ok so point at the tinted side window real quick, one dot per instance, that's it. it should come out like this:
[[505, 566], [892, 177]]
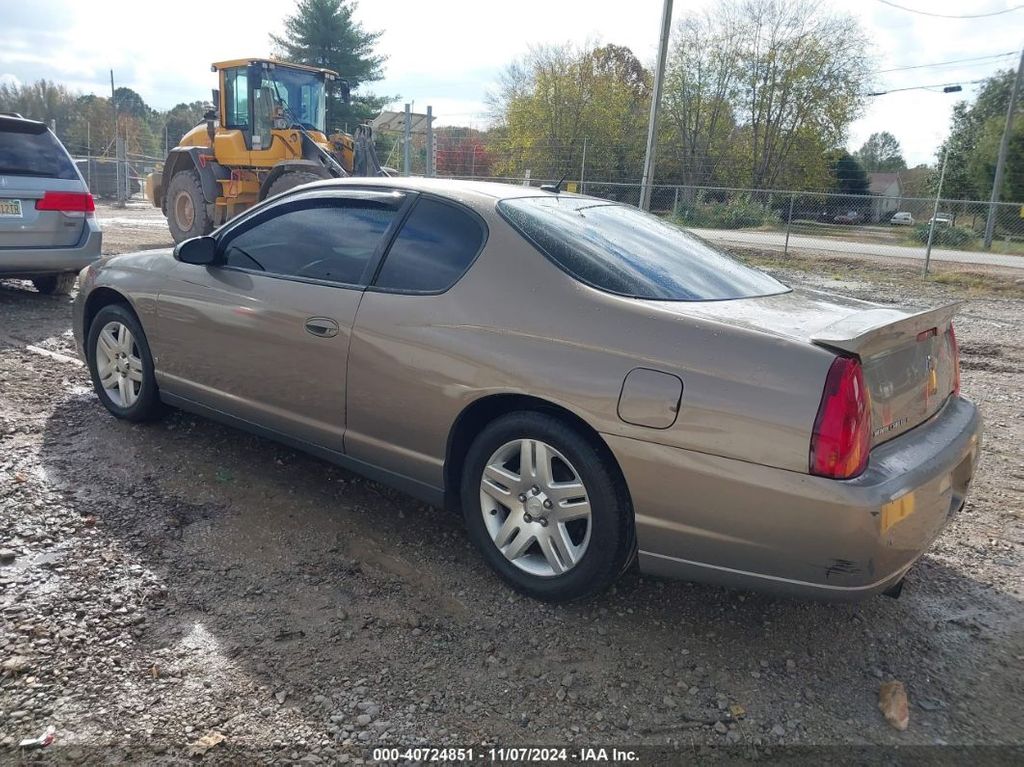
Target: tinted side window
[[622, 250], [27, 153], [325, 240], [434, 248]]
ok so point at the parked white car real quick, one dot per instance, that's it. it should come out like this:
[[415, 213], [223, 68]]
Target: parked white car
[[903, 218]]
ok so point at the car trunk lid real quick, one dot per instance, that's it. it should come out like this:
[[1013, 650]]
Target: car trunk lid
[[907, 361], [909, 367]]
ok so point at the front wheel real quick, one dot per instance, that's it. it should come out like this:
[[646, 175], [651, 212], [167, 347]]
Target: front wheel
[[547, 507], [188, 215], [121, 365]]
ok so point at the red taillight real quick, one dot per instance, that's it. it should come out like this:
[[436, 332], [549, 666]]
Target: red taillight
[[67, 202], [842, 431], [954, 353]]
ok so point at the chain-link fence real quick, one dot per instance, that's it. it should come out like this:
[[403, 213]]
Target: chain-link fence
[[103, 175], [824, 222]]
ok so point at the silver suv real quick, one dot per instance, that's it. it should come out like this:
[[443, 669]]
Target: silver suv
[[48, 228]]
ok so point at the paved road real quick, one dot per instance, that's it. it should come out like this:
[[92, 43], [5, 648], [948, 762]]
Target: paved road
[[777, 240]]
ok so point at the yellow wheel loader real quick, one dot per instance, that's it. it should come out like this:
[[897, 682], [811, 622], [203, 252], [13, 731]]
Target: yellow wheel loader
[[266, 134]]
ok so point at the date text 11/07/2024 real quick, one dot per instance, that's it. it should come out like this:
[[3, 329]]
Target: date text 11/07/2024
[[500, 754]]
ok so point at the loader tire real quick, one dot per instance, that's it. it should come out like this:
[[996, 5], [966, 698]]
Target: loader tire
[[188, 214], [290, 180]]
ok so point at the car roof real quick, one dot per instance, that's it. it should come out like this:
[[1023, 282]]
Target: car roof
[[482, 193], [9, 121]]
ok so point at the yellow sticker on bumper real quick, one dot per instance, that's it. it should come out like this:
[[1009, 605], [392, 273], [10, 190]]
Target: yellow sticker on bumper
[[894, 511]]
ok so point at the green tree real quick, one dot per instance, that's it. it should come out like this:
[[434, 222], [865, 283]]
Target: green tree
[[322, 33], [128, 102], [803, 69], [698, 141], [91, 128], [556, 98], [757, 90], [973, 144], [848, 177], [881, 153], [42, 100], [180, 119]]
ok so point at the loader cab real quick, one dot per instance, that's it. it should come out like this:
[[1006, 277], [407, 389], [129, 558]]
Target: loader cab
[[258, 97]]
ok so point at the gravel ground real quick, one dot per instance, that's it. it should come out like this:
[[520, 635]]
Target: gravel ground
[[166, 582]]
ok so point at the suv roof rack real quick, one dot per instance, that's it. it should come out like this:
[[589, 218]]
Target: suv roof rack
[[11, 114]]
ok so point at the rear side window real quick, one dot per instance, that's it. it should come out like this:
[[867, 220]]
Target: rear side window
[[325, 240], [435, 247], [26, 152], [621, 250]]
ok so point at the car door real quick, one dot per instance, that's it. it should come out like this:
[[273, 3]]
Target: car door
[[405, 380], [263, 336]]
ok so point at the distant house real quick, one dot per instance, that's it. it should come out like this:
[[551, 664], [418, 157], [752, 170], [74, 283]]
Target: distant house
[[886, 191]]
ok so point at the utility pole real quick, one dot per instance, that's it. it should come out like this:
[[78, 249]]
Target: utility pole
[[652, 126], [997, 182], [406, 142], [430, 141], [583, 164], [120, 163], [935, 211]]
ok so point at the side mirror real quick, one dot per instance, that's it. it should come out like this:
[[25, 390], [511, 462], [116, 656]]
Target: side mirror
[[345, 91], [201, 251]]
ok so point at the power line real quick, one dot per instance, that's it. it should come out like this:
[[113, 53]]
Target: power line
[[945, 63], [924, 87], [949, 16]]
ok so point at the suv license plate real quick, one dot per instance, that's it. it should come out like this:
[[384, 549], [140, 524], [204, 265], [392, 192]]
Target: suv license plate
[[10, 208]]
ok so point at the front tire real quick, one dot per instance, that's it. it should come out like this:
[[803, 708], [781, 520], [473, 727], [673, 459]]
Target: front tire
[[188, 215], [547, 507], [121, 365], [290, 180], [56, 284]]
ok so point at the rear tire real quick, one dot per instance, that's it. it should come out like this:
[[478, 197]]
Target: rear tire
[[56, 284], [574, 534], [290, 180], [188, 215], [121, 365]]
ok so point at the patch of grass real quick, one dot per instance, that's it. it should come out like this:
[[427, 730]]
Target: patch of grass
[[970, 283], [976, 282], [738, 213]]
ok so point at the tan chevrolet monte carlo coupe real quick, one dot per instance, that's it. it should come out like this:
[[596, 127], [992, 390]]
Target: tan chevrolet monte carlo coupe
[[586, 383]]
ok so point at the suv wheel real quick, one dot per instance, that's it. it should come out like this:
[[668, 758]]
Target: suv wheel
[[56, 284]]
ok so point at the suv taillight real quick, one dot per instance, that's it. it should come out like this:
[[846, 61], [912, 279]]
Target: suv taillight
[[67, 202], [954, 353], [842, 430]]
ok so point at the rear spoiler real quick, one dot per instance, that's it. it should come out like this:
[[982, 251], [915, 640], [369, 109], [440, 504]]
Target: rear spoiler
[[873, 331]]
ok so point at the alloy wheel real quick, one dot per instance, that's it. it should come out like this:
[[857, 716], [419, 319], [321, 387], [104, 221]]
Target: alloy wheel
[[119, 364], [535, 507]]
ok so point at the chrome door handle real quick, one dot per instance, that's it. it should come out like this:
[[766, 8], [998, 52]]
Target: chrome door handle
[[322, 327]]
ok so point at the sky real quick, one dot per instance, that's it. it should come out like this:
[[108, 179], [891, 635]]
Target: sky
[[449, 53]]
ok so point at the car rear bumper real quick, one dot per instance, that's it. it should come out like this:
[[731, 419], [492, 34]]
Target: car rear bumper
[[714, 519], [29, 262]]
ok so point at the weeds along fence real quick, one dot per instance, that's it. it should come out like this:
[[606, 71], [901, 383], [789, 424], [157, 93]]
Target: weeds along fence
[[826, 222]]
